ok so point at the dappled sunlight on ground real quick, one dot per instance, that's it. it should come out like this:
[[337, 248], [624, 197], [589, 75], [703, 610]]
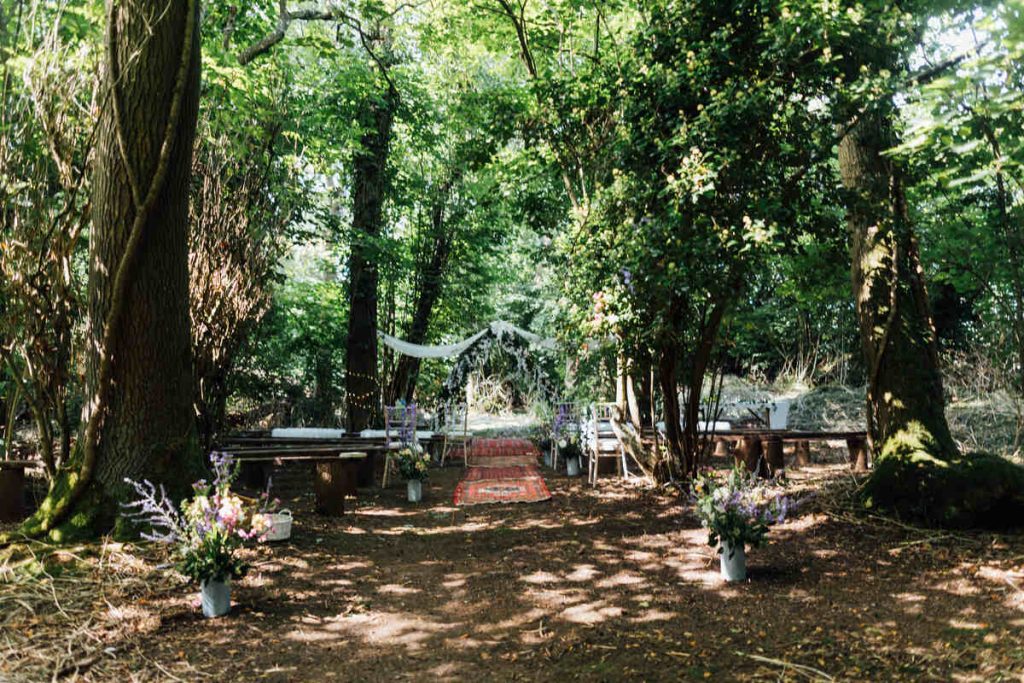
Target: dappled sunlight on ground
[[601, 584]]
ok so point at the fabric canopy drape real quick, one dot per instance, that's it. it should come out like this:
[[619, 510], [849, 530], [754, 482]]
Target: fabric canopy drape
[[498, 328]]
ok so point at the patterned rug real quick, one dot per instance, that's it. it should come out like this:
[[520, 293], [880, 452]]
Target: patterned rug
[[502, 453], [502, 471]]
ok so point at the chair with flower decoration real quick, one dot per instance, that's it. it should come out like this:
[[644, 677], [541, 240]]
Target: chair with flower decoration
[[399, 433]]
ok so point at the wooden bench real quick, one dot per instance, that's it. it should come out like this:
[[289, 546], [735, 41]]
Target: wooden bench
[[765, 446], [337, 469], [372, 447]]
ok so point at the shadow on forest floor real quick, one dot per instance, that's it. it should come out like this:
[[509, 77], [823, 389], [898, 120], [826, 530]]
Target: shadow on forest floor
[[598, 584]]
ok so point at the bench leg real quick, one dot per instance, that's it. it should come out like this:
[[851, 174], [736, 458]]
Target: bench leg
[[751, 450], [859, 456], [388, 464], [330, 486], [802, 453], [773, 456]]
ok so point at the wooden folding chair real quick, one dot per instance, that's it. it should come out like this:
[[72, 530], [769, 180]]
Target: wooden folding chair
[[602, 442], [454, 429]]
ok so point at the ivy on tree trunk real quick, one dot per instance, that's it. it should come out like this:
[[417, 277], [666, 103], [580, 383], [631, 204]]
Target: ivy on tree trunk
[[138, 417]]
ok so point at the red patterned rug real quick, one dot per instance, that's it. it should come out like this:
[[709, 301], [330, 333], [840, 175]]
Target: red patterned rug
[[502, 453], [502, 471], [510, 472]]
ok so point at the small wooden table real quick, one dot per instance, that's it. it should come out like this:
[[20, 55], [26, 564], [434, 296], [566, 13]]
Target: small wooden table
[[337, 470]]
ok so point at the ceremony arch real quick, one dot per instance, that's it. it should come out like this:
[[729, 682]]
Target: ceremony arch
[[474, 351]]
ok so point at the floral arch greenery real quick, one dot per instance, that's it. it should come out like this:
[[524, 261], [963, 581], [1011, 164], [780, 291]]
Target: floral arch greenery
[[527, 350]]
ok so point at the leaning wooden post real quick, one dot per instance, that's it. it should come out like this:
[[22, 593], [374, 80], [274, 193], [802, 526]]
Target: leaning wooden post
[[12, 490]]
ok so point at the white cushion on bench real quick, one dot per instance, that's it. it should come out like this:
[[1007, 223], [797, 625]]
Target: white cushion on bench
[[306, 433], [421, 435]]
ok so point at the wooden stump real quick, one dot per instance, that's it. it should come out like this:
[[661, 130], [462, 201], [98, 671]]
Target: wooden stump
[[750, 452], [333, 481], [367, 472], [12, 492], [722, 448], [858, 448], [773, 457], [802, 453]]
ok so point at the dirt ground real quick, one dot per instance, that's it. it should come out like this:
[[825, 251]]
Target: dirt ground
[[609, 584]]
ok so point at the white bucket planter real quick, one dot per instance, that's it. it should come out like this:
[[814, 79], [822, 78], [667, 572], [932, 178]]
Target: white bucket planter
[[572, 466], [734, 562], [548, 458], [215, 597], [414, 488], [280, 526]]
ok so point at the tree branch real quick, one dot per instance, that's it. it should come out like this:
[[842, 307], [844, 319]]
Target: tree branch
[[286, 17]]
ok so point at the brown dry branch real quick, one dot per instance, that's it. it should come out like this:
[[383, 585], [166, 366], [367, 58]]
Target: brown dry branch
[[47, 141], [235, 245]]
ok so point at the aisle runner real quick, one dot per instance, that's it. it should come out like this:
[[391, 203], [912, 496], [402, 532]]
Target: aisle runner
[[502, 471], [502, 452]]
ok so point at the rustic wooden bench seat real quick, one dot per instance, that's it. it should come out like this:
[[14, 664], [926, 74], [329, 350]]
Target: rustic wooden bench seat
[[755, 443], [337, 469]]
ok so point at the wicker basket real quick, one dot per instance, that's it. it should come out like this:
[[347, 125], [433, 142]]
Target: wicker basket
[[280, 526]]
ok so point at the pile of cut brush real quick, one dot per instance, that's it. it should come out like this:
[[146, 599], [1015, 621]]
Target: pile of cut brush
[[78, 611]]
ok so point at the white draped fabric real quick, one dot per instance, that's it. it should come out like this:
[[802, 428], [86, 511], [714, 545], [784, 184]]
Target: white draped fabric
[[498, 328]]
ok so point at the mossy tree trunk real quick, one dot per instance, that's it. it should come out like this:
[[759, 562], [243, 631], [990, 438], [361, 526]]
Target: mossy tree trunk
[[919, 472], [897, 335], [138, 417]]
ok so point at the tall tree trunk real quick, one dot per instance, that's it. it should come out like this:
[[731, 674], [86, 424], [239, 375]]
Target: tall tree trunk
[[701, 359], [897, 335], [403, 383], [138, 414], [919, 472], [370, 184], [667, 371]]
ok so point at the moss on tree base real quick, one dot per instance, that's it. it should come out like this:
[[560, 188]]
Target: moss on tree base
[[974, 490], [93, 515]]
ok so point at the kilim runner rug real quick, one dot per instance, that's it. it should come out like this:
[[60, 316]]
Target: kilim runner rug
[[502, 471], [502, 453]]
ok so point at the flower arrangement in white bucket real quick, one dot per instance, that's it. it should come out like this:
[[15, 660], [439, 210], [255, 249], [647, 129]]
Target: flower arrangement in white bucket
[[737, 510], [565, 434], [413, 465], [207, 531]]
